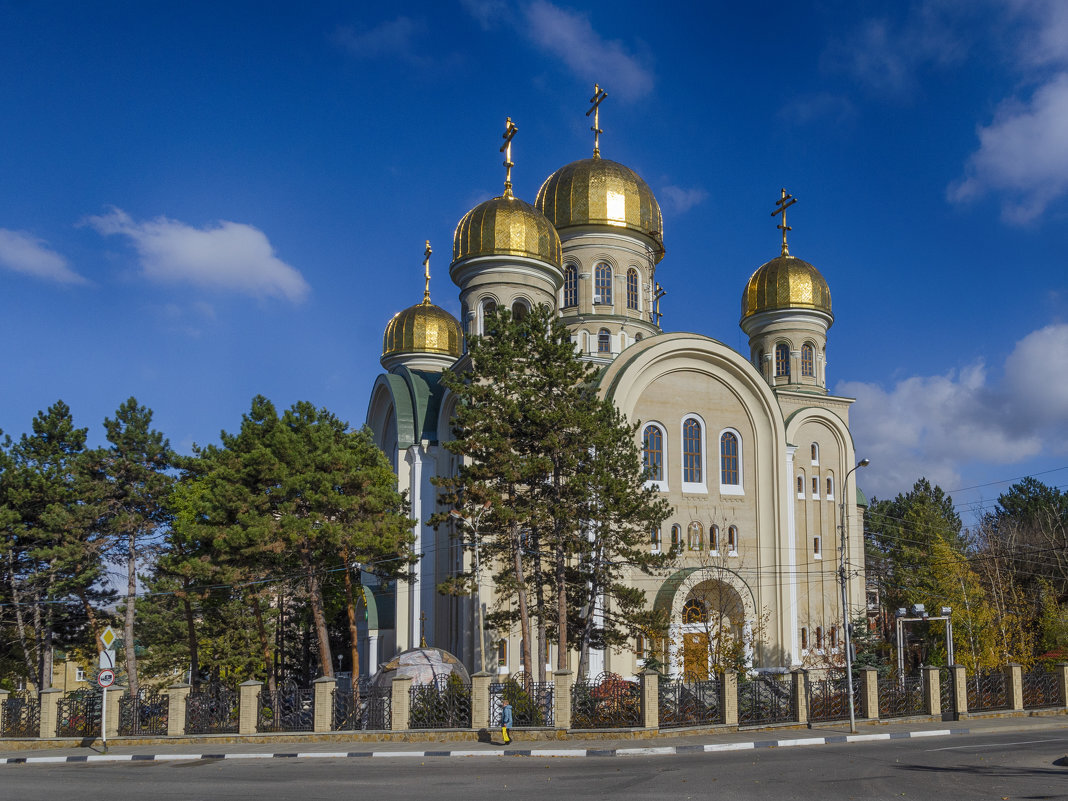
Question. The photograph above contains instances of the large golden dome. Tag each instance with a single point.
(506, 226)
(786, 282)
(600, 192)
(423, 328)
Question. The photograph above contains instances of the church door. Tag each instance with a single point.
(695, 657)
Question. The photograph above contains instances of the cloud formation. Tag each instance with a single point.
(227, 256)
(935, 425)
(395, 37)
(24, 253)
(680, 200)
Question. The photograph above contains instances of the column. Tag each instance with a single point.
(932, 696)
(372, 652)
(1014, 686)
(401, 703)
(415, 484)
(869, 693)
(960, 691)
(248, 707)
(176, 698)
(562, 681)
(323, 708)
(480, 700)
(729, 701)
(800, 699)
(49, 711)
(111, 714)
(650, 699)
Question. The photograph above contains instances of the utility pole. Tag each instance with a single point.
(843, 527)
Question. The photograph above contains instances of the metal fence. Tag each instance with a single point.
(606, 702)
(828, 696)
(531, 702)
(899, 698)
(987, 690)
(367, 708)
(945, 692)
(20, 715)
(1041, 688)
(767, 698)
(78, 714)
(444, 704)
(290, 708)
(694, 703)
(213, 710)
(144, 713)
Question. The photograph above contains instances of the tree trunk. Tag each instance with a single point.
(20, 622)
(561, 605)
(90, 615)
(315, 596)
(40, 644)
(265, 649)
(524, 612)
(128, 628)
(539, 600)
(354, 634)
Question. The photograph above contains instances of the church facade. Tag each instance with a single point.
(750, 449)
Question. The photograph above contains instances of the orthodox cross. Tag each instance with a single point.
(422, 629)
(426, 273)
(659, 293)
(599, 94)
(781, 206)
(509, 131)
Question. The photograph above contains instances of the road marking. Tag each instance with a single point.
(998, 745)
(931, 733)
(667, 749)
(802, 741)
(730, 746)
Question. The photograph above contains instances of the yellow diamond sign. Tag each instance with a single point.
(108, 638)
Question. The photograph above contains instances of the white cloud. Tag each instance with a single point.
(681, 200)
(934, 426)
(1045, 39)
(24, 253)
(395, 37)
(228, 255)
(486, 12)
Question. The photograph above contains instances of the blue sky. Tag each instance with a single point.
(201, 202)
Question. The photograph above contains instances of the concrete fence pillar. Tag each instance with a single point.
(960, 690)
(248, 706)
(650, 699)
(728, 687)
(401, 703)
(323, 705)
(111, 712)
(177, 695)
(1061, 670)
(50, 711)
(932, 693)
(869, 693)
(480, 700)
(562, 683)
(1014, 686)
(799, 697)
(3, 700)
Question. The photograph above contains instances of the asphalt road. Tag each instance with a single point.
(995, 766)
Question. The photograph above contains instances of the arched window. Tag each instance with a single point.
(570, 285)
(713, 537)
(782, 359)
(816, 488)
(691, 451)
(632, 288)
(815, 453)
(804, 639)
(489, 306)
(694, 612)
(807, 362)
(602, 284)
(520, 309)
(654, 538)
(732, 539)
(830, 487)
(801, 485)
(653, 453)
(728, 459)
(502, 654)
(676, 536)
(694, 536)
(604, 341)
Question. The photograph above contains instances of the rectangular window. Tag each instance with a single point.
(815, 488)
(816, 547)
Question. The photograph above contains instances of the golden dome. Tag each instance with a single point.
(599, 192)
(786, 282)
(423, 328)
(506, 226)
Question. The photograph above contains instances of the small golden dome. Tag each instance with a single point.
(506, 226)
(600, 192)
(786, 282)
(423, 328)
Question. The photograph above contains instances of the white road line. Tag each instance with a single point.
(998, 745)
(323, 755)
(802, 741)
(931, 733)
(557, 752)
(861, 738)
(730, 746)
(651, 750)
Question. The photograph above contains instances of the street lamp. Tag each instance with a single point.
(480, 657)
(844, 528)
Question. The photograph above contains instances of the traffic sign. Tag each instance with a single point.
(105, 678)
(107, 638)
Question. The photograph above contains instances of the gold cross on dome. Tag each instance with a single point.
(510, 130)
(426, 273)
(599, 94)
(781, 206)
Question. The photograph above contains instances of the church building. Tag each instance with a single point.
(750, 449)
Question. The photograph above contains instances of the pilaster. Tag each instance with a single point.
(323, 707)
(800, 698)
(480, 700)
(650, 699)
(869, 693)
(562, 681)
(248, 708)
(960, 691)
(932, 695)
(1061, 670)
(177, 695)
(401, 701)
(111, 712)
(1014, 686)
(50, 711)
(729, 701)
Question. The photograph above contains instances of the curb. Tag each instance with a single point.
(671, 750)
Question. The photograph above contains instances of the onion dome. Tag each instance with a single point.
(424, 665)
(506, 226)
(600, 192)
(423, 328)
(786, 282)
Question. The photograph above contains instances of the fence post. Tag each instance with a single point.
(177, 694)
(650, 699)
(869, 693)
(112, 713)
(932, 693)
(960, 691)
(50, 711)
(728, 685)
(562, 681)
(401, 703)
(1014, 685)
(3, 700)
(248, 706)
(800, 700)
(1062, 682)
(323, 704)
(480, 700)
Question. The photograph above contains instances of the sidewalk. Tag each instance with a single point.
(705, 740)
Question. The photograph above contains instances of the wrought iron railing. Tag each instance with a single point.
(444, 704)
(828, 696)
(946, 696)
(694, 703)
(78, 714)
(767, 698)
(213, 710)
(1041, 688)
(987, 690)
(368, 708)
(899, 698)
(144, 713)
(531, 702)
(606, 702)
(20, 715)
(290, 708)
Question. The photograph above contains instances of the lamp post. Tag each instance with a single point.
(844, 528)
(480, 640)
